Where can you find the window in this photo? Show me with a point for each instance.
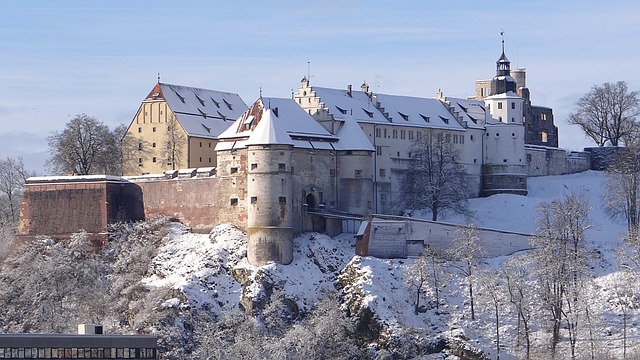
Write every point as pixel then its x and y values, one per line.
pixel 410 135
pixel 455 138
pixel 139 146
pixel 254 199
pixel 342 111
pixel 394 134
pixel 209 160
pixel 425 118
pixel 139 161
pixel 254 166
pixel 369 113
pixel 383 173
pixel 378 150
pixel 543 116
pixel 404 116
pixel 513 104
pixel 499 104
pixel 228 104
pixel 139 129
pixel 403 134
pixel 200 159
pixel 154 159
pixel 233 170
pixel 233 201
pixel 282 200
pixel 418 135
pixel 447 138
pixel 209 145
pixel 153 145
pixel 282 167
pixel 378 132
pixel 332 172
pixel 544 137
pixel 358 173
pixel 385 133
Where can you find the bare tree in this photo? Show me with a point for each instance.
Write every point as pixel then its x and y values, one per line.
pixel 175 143
pixel 492 284
pixel 12 177
pixel 560 262
pixel 622 189
pixel 86 146
pixel 467 249
pixel 434 179
pixel 607 114
pixel 521 297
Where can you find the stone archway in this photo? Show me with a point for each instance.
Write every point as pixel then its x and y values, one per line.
pixel 310 200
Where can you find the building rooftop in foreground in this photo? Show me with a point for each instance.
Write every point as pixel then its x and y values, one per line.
pixel 77 346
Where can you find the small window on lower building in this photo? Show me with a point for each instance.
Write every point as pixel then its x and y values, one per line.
pixel 544 137
pixel 282 200
pixel 332 172
pixel 383 172
pixel 358 173
pixel 154 159
pixel 282 167
pixel 233 201
pixel 209 160
pixel 154 129
pixel 139 129
pixel 153 145
pixel 254 199
pixel 254 166
pixel 233 170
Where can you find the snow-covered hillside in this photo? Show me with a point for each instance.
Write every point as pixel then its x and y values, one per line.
pixel 212 271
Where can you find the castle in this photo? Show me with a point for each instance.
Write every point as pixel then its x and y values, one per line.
pixel 315 162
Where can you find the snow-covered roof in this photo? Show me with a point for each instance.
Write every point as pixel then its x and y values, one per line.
pixel 357 106
pixel 415 111
pixel 276 121
pixel 472 111
pixel 351 137
pixel 200 112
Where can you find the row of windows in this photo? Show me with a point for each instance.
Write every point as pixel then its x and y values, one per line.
pixel 282 200
pixel 513 105
pixel 155 159
pixel 77 353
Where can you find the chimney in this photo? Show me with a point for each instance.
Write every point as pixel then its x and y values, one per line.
pixel 86 329
pixel 365 87
pixel 349 90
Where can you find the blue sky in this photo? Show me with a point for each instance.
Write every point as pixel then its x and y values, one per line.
pixel 62 58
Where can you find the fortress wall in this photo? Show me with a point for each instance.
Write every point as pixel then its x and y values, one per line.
pixel 543 161
pixel 200 203
pixel 401 237
pixel 61 206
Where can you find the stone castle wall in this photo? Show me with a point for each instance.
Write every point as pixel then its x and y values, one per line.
pixel 59 206
pixel 543 161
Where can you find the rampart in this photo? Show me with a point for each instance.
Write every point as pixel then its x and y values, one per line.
pixel 58 206
pixel 401 237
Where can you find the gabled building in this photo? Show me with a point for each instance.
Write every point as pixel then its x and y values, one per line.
pixel 177 127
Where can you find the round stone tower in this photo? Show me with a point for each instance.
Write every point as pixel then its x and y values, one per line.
pixel 269 214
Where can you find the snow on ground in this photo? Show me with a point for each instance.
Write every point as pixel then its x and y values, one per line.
pixel 202 267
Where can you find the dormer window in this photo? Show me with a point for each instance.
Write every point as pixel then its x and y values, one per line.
pixel 425 118
pixel 369 113
pixel 217 104
pixel 343 111
pixel 446 121
pixel 224 118
pixel 204 114
pixel 404 116
pixel 180 96
pixel 199 99
pixel 228 104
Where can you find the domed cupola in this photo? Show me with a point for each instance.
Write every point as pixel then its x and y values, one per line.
pixel 503 83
